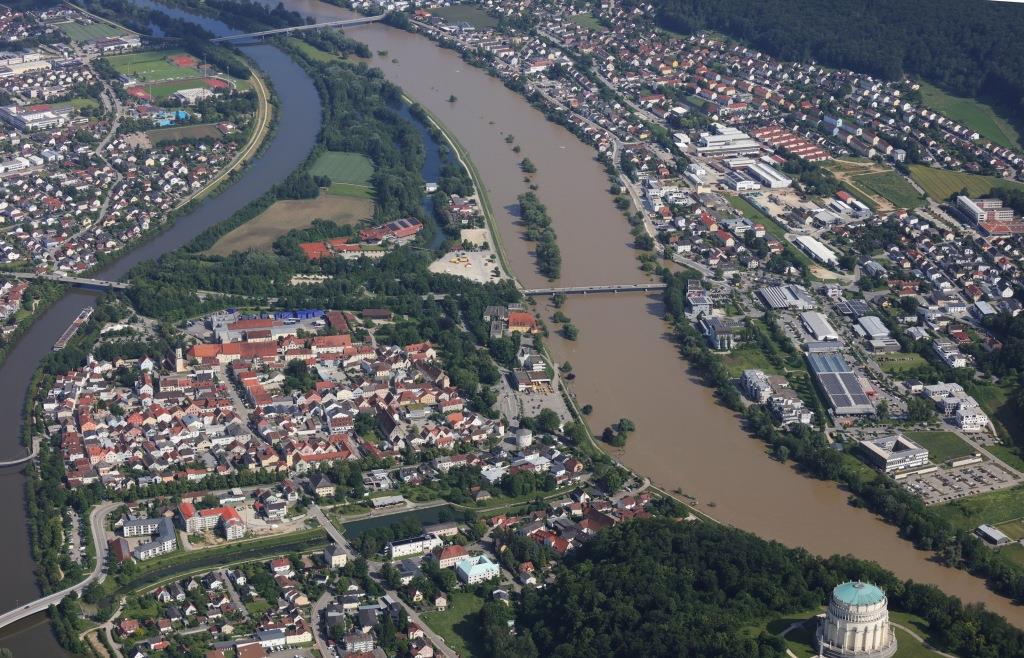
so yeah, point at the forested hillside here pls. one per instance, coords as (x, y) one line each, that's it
(969, 47)
(659, 587)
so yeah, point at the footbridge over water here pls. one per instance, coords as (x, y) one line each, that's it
(588, 290)
(348, 22)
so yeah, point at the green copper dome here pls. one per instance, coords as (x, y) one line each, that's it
(858, 593)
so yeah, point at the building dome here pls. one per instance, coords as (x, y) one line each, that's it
(856, 624)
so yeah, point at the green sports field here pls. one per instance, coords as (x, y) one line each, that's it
(940, 183)
(93, 32)
(151, 66)
(972, 113)
(349, 173)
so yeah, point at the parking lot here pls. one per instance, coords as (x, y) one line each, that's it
(948, 484)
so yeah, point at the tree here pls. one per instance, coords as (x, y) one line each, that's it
(570, 332)
(548, 421)
(527, 166)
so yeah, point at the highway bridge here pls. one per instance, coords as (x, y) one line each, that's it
(80, 282)
(348, 22)
(588, 290)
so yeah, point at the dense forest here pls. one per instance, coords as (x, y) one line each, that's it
(969, 47)
(658, 587)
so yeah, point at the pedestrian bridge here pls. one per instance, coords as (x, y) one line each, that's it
(26, 458)
(348, 22)
(81, 282)
(587, 290)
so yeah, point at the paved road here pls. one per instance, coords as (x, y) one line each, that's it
(321, 642)
(97, 518)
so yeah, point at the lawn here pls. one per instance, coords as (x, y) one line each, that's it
(940, 184)
(911, 648)
(348, 189)
(745, 357)
(151, 66)
(80, 32)
(343, 167)
(476, 17)
(972, 113)
(458, 625)
(891, 186)
(283, 216)
(897, 362)
(996, 400)
(991, 507)
(79, 103)
(588, 21)
(1013, 529)
(942, 446)
(311, 51)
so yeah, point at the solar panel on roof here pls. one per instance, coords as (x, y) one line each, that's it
(841, 401)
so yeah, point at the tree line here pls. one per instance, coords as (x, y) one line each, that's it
(656, 587)
(538, 229)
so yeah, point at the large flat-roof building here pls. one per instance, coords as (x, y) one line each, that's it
(816, 250)
(35, 117)
(980, 210)
(891, 454)
(726, 140)
(784, 297)
(873, 327)
(817, 325)
(845, 394)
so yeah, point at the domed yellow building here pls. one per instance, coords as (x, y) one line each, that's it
(856, 624)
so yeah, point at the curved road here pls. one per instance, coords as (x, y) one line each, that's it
(97, 519)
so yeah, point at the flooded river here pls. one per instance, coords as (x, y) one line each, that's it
(624, 363)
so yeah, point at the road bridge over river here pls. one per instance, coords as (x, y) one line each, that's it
(78, 281)
(349, 22)
(588, 290)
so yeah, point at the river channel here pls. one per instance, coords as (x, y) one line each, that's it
(624, 363)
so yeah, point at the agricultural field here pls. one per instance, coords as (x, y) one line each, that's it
(350, 173)
(156, 65)
(478, 18)
(972, 113)
(79, 32)
(940, 184)
(942, 446)
(199, 131)
(283, 216)
(892, 187)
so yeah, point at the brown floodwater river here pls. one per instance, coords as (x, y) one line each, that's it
(624, 362)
